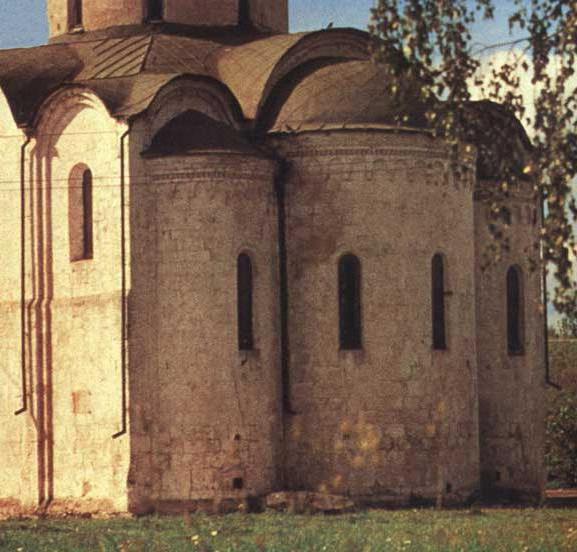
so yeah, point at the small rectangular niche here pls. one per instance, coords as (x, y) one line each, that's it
(82, 402)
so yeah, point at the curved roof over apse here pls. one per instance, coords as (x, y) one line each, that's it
(500, 139)
(126, 97)
(349, 93)
(193, 132)
(126, 68)
(252, 70)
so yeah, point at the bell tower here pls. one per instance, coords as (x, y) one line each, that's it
(78, 16)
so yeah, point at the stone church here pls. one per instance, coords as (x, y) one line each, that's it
(228, 270)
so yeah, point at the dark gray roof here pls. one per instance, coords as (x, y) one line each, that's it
(283, 82)
(127, 96)
(29, 75)
(128, 71)
(346, 93)
(253, 70)
(128, 68)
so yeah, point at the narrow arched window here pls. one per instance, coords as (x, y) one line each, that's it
(74, 13)
(515, 303)
(80, 215)
(350, 330)
(438, 302)
(244, 303)
(244, 13)
(155, 10)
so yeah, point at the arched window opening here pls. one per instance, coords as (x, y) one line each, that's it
(80, 215)
(438, 302)
(350, 330)
(514, 311)
(245, 303)
(244, 13)
(74, 14)
(155, 10)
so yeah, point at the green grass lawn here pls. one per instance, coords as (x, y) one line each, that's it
(479, 530)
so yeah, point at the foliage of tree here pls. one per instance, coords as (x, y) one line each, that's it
(561, 442)
(431, 41)
(561, 424)
(566, 327)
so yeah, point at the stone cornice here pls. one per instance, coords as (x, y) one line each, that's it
(382, 152)
(219, 174)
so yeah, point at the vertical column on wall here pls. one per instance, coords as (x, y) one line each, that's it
(123, 301)
(280, 185)
(41, 311)
(545, 299)
(24, 405)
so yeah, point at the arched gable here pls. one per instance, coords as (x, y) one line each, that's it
(253, 70)
(337, 44)
(190, 93)
(60, 109)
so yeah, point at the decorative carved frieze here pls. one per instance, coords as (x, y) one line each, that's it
(221, 176)
(383, 152)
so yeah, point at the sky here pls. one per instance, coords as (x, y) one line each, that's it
(23, 22)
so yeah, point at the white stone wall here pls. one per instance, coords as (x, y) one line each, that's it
(511, 387)
(73, 318)
(395, 420)
(203, 413)
(18, 475)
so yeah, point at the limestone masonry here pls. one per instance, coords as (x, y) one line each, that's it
(228, 271)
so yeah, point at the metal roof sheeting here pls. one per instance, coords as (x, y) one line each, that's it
(127, 68)
(285, 83)
(347, 93)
